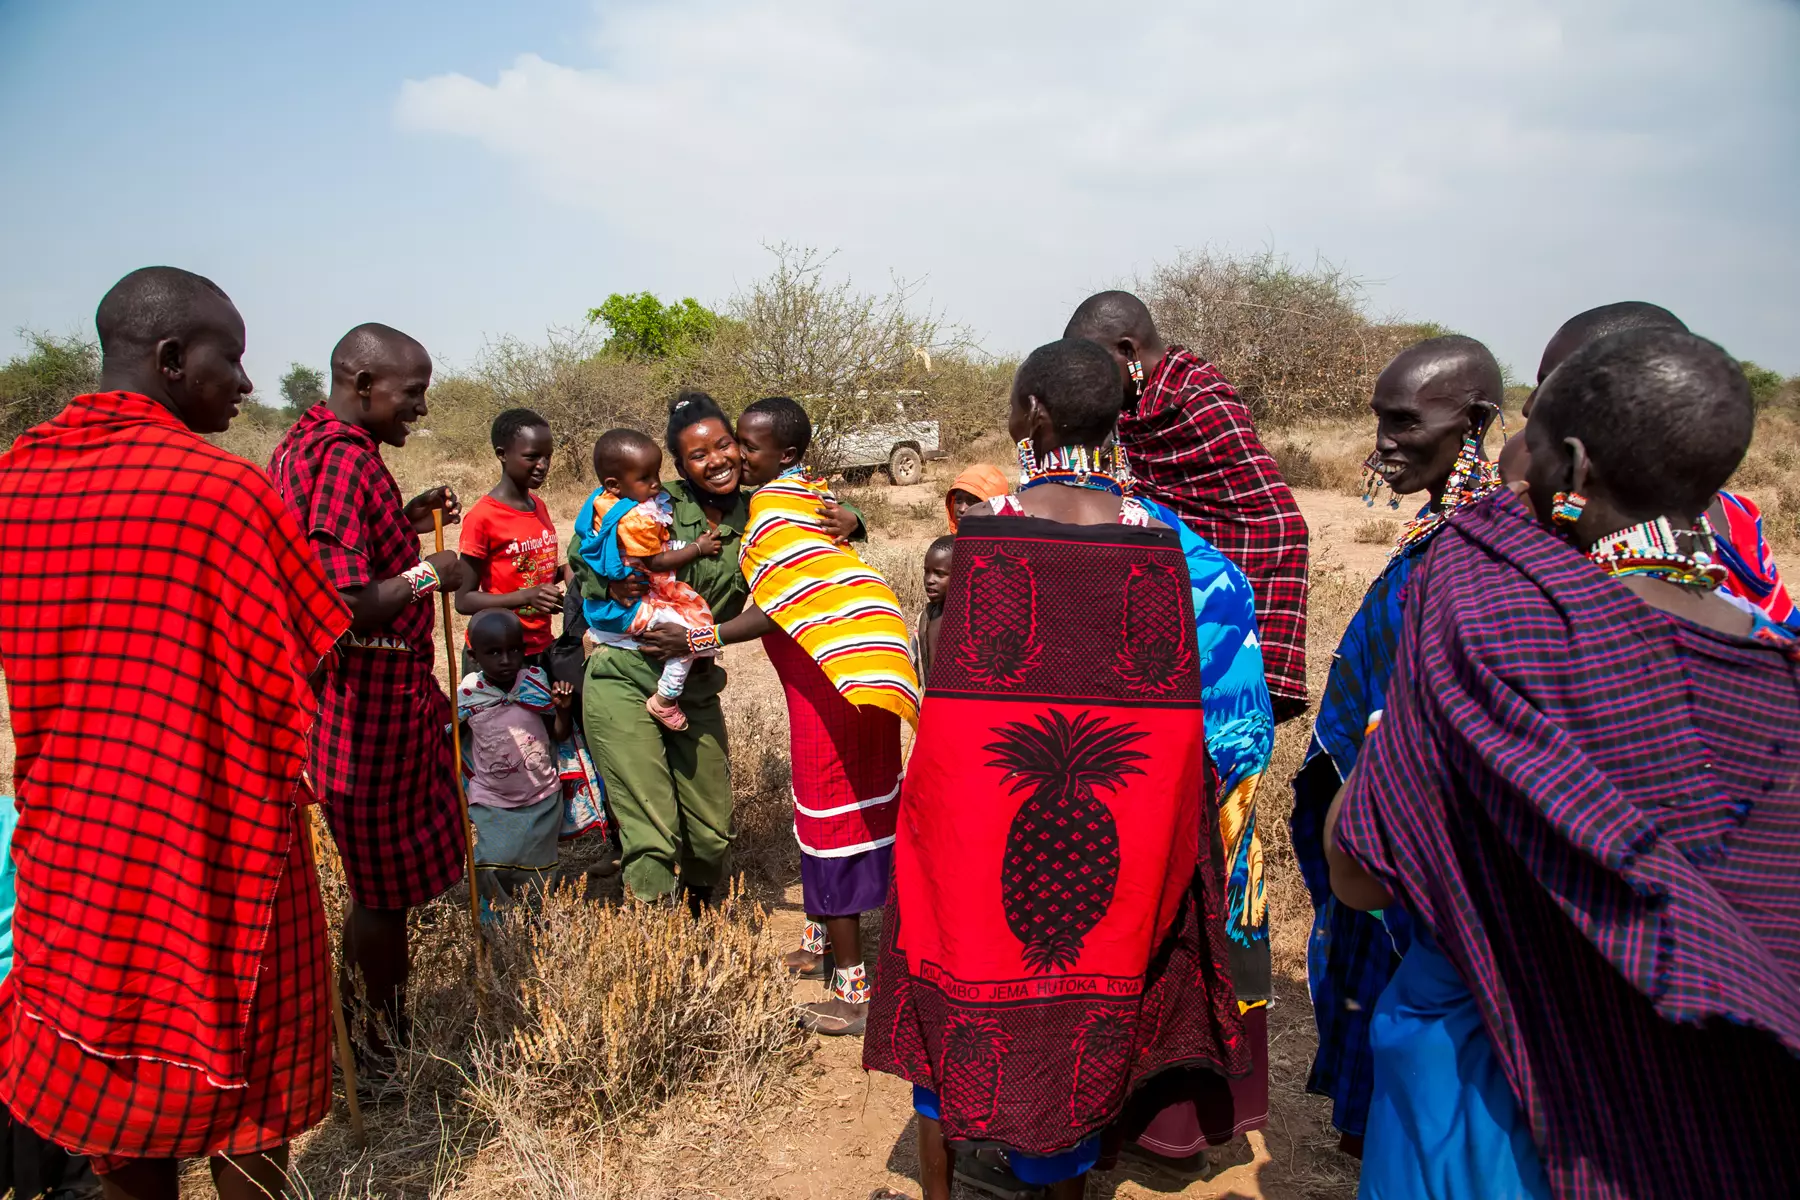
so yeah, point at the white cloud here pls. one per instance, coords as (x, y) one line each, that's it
(1498, 165)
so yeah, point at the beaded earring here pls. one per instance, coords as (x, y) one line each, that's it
(1028, 465)
(1566, 507)
(1136, 369)
(1467, 467)
(1373, 481)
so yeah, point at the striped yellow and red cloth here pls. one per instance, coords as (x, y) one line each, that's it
(842, 612)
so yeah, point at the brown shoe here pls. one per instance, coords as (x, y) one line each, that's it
(835, 1018)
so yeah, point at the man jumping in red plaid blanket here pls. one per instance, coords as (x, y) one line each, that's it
(160, 617)
(381, 753)
(1190, 443)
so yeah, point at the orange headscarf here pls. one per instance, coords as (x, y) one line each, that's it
(981, 481)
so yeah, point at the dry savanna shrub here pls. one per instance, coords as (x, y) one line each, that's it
(1295, 341)
(603, 1012)
(595, 1026)
(1375, 532)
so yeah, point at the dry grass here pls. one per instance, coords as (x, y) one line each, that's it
(1375, 532)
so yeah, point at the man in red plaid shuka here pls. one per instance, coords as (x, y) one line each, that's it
(160, 616)
(381, 752)
(1190, 443)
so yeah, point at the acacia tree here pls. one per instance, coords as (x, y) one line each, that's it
(643, 328)
(35, 385)
(301, 388)
(847, 355)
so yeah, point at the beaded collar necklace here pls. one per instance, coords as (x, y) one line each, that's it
(1465, 487)
(1075, 467)
(1653, 549)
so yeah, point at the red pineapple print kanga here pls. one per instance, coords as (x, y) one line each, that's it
(1102, 1062)
(969, 1080)
(1062, 848)
(1003, 644)
(1156, 649)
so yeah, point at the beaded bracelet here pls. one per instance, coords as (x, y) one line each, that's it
(704, 640)
(423, 579)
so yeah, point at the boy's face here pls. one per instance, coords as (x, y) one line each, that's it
(526, 459)
(961, 502)
(500, 655)
(937, 575)
(639, 477)
(764, 456)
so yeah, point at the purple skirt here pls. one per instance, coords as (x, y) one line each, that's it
(843, 887)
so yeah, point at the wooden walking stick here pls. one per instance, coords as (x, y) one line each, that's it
(462, 798)
(346, 1060)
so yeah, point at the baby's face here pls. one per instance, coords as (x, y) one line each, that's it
(937, 576)
(640, 476)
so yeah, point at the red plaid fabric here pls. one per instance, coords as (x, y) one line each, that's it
(1191, 444)
(381, 751)
(117, 1109)
(159, 615)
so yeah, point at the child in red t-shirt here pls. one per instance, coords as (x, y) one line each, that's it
(508, 540)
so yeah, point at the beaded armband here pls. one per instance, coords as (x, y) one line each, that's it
(703, 640)
(423, 579)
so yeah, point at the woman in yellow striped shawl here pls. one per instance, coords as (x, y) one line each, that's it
(842, 650)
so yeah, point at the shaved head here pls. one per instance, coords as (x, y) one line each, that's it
(1431, 398)
(1583, 328)
(175, 337)
(1461, 366)
(370, 347)
(1105, 317)
(153, 304)
(1665, 418)
(379, 377)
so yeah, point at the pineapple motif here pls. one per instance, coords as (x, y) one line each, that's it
(969, 1079)
(1062, 849)
(1003, 643)
(1156, 649)
(1102, 1060)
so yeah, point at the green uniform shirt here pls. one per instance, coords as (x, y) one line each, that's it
(718, 580)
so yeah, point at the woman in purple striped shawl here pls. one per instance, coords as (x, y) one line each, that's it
(1585, 791)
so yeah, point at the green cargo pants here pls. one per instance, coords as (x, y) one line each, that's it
(670, 792)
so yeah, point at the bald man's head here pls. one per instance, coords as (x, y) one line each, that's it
(1122, 324)
(379, 377)
(1428, 400)
(1595, 323)
(175, 337)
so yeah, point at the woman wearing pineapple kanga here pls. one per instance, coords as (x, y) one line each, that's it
(1055, 933)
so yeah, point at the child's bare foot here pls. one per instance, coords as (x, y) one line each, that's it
(835, 1018)
(666, 711)
(808, 964)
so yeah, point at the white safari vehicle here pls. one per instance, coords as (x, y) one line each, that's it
(892, 444)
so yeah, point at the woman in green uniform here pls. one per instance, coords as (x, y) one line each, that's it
(671, 792)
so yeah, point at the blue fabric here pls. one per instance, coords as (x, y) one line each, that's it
(1033, 1170)
(1350, 955)
(599, 548)
(1240, 721)
(1443, 1123)
(9, 819)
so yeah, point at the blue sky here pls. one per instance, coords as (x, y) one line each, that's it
(467, 170)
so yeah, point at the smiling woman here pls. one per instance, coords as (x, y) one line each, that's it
(1433, 404)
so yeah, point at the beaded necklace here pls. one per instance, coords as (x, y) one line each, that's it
(1472, 479)
(1076, 466)
(1654, 549)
